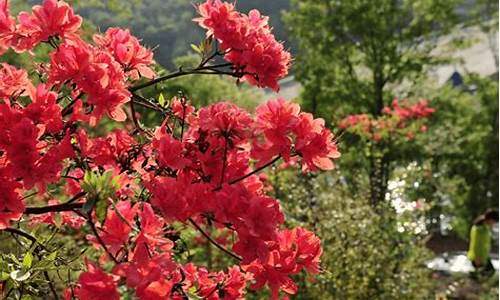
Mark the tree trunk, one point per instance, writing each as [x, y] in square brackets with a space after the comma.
[379, 176]
[379, 173]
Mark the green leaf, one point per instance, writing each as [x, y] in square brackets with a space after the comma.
[4, 276]
[28, 260]
[52, 256]
[196, 48]
[20, 275]
[101, 210]
[161, 100]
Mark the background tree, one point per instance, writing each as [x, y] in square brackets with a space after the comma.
[461, 150]
[354, 55]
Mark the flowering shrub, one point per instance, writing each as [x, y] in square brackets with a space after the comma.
[403, 120]
[247, 42]
[127, 187]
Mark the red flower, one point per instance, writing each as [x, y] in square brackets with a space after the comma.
[11, 204]
[292, 251]
[49, 166]
[201, 171]
[178, 198]
[307, 248]
[275, 119]
[70, 61]
[315, 144]
[52, 18]
[170, 150]
[151, 277]
[104, 82]
[248, 41]
[45, 110]
[22, 150]
[7, 26]
[127, 50]
[396, 119]
[13, 82]
[181, 108]
[96, 285]
[116, 227]
[225, 119]
[152, 230]
[96, 73]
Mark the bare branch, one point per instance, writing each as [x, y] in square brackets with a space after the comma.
[209, 238]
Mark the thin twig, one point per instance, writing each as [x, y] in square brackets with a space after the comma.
[146, 103]
[209, 238]
[51, 285]
[134, 117]
[224, 162]
[251, 173]
[184, 104]
[71, 177]
[101, 242]
[68, 108]
[27, 236]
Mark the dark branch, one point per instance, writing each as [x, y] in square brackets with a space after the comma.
[27, 236]
[134, 117]
[199, 70]
[51, 285]
[101, 242]
[251, 173]
[209, 238]
[139, 100]
[68, 206]
[67, 109]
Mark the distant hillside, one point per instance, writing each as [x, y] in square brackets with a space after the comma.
[167, 24]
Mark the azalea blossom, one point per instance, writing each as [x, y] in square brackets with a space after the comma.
[402, 118]
[127, 50]
[7, 27]
[96, 284]
[51, 19]
[133, 190]
[248, 42]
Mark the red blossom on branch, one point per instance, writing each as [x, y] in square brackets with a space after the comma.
[51, 19]
[127, 50]
[402, 118]
[247, 41]
[7, 26]
[127, 187]
[96, 284]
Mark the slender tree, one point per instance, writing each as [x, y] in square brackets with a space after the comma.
[355, 55]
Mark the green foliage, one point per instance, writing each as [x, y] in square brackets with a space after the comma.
[366, 254]
[355, 56]
[351, 64]
[100, 188]
[30, 263]
[462, 149]
[352, 52]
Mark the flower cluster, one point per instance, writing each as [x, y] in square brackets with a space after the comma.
[401, 119]
[128, 187]
[126, 49]
[286, 131]
[52, 19]
[247, 42]
[100, 71]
